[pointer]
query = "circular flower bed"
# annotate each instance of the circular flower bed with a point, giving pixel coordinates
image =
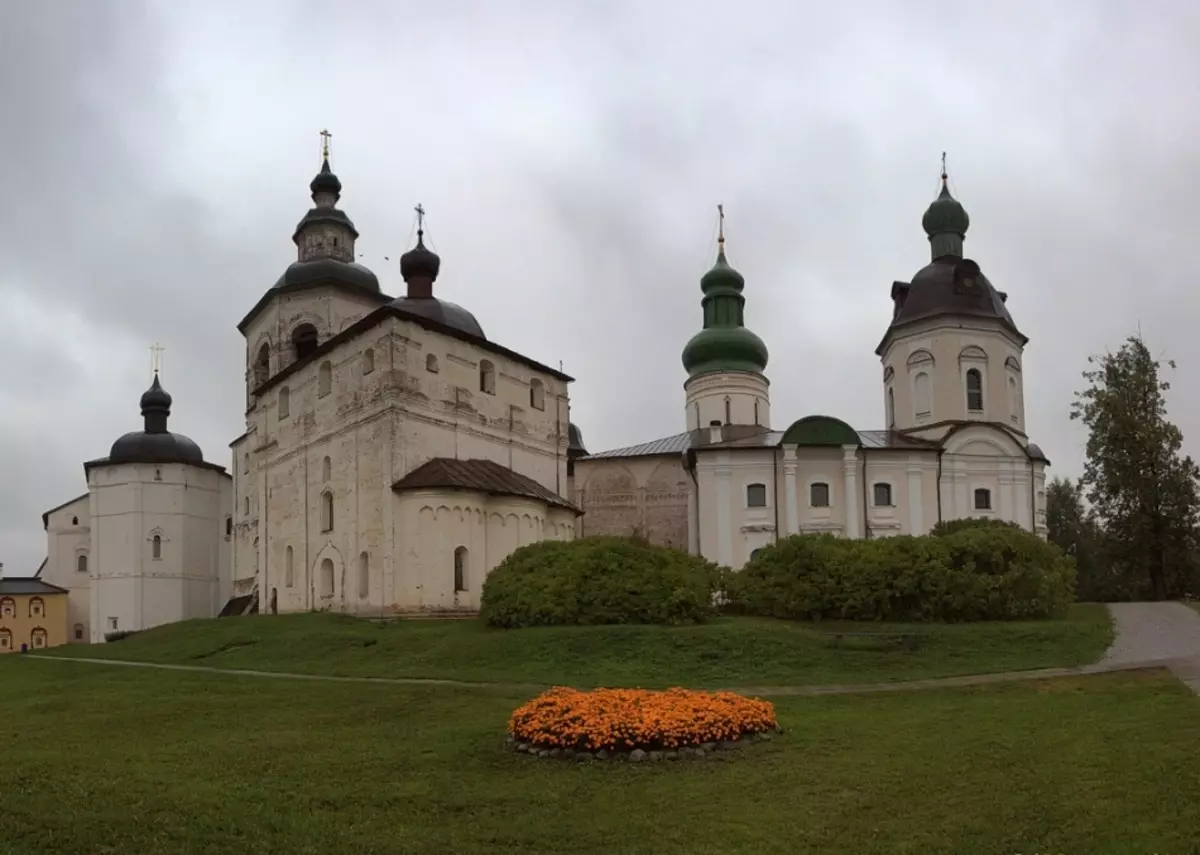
(568, 722)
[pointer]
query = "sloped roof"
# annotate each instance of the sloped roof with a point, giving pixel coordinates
(28, 586)
(484, 476)
(674, 444)
(896, 440)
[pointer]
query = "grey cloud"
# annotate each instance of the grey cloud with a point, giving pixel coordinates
(571, 156)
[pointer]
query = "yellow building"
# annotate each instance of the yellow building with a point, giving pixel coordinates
(33, 615)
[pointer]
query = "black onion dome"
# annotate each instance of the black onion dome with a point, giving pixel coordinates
(156, 398)
(155, 444)
(443, 312)
(420, 261)
(142, 447)
(575, 444)
(326, 181)
(319, 270)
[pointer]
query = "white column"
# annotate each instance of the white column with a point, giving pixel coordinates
(724, 517)
(789, 484)
(850, 471)
(1007, 507)
(916, 498)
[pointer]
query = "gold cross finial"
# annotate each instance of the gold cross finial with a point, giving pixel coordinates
(721, 226)
(156, 350)
(420, 217)
(325, 135)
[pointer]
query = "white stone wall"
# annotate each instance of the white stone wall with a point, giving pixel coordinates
(375, 408)
(68, 539)
(925, 368)
(131, 505)
(734, 397)
(434, 527)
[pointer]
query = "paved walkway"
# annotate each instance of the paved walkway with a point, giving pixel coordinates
(1149, 635)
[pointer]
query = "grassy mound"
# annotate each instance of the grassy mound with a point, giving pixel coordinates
(598, 580)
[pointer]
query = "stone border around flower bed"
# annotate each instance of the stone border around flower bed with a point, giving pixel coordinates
(638, 755)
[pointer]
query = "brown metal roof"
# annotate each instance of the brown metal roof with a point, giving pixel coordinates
(484, 476)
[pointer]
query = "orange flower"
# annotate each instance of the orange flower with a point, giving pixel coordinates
(637, 718)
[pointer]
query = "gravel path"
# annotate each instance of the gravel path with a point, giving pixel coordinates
(1148, 631)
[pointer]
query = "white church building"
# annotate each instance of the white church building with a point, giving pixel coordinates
(393, 454)
(954, 444)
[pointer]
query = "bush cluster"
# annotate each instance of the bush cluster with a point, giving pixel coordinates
(967, 570)
(626, 719)
(598, 580)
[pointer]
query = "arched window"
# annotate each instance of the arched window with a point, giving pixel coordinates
(8, 607)
(1014, 407)
(262, 365)
(274, 601)
(79, 632)
(228, 526)
(327, 511)
(728, 411)
(289, 568)
(285, 402)
(368, 360)
(37, 607)
(327, 578)
(304, 340)
(487, 377)
(81, 562)
(37, 638)
(431, 364)
(756, 411)
(157, 474)
(537, 394)
(246, 462)
(364, 576)
(922, 395)
(974, 390)
(74, 520)
(324, 379)
(882, 494)
(246, 505)
(756, 495)
(891, 408)
(460, 569)
(156, 547)
(818, 495)
(6, 642)
(326, 469)
(983, 500)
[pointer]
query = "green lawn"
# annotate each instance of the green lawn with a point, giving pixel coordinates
(730, 652)
(108, 761)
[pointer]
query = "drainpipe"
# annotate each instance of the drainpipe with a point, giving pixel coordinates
(1032, 496)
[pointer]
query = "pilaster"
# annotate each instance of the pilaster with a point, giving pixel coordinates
(850, 473)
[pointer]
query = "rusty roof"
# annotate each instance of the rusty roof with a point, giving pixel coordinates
(484, 476)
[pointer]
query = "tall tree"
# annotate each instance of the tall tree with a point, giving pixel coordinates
(1142, 491)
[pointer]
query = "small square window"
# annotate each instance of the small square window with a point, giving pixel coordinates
(983, 500)
(883, 495)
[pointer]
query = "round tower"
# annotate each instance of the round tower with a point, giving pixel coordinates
(725, 361)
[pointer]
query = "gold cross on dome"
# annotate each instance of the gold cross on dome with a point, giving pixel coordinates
(325, 137)
(156, 350)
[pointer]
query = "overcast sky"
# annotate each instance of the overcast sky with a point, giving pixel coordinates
(156, 158)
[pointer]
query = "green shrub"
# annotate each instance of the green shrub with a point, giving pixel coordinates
(945, 527)
(600, 580)
(976, 572)
(119, 634)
